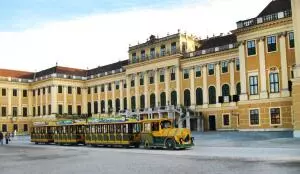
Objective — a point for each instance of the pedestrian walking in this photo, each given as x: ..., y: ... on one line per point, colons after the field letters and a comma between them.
x: 6, y: 138
x: 1, y: 138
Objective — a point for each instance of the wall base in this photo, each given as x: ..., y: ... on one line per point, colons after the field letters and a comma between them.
x: 296, y: 133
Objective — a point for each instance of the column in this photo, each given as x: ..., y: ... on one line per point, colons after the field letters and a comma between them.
x: 156, y: 83
x: 46, y: 100
x: 232, y: 84
x: 146, y: 80
x: 296, y: 80
x: 65, y: 106
x: 167, y: 86
x: 137, y: 92
x: 113, y: 98
x: 106, y: 97
x: 41, y: 101
x: 84, y: 100
x: 121, y: 95
x: 283, y: 63
x: 99, y: 99
x: 178, y: 85
x: 243, y: 79
x: 29, y: 102
x: 9, y: 96
x: 262, y: 68
x: 74, y: 106
x: 53, y: 99
x: 204, y: 88
x: 128, y: 92
x: 36, y: 102
x: 218, y: 83
x: 92, y: 100
x: 192, y: 84
x: 20, y: 102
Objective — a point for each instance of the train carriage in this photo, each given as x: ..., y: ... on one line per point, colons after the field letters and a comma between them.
x: 42, y: 133
x: 68, y: 132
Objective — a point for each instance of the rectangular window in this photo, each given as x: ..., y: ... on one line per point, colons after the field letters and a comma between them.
x: 78, y: 110
x: 163, y: 50
x: 274, y: 83
x: 24, y: 112
x: 133, y: 57
x: 162, y: 76
x: 102, y: 88
x: 4, y: 128
x: 69, y: 109
x: 25, y: 128
x: 173, y: 75
x: 211, y: 69
x: 15, y: 92
x: 39, y: 92
x: 78, y: 90
x: 132, y: 82
x: 15, y: 111
x: 89, y: 90
x: 3, y: 111
x: 253, y: 85
x: 124, y: 85
x: 49, y: 109
x: 49, y: 89
x: 3, y: 92
x: 59, y: 89
x: 251, y: 47
x: 24, y: 93
x: 117, y: 84
x: 33, y: 111
x: 44, y: 110
x: 271, y: 41
x: 152, y: 53
x: 198, y: 71
x: 109, y: 87
x: 226, y: 120
x: 15, y: 127
x: 173, y: 48
x: 69, y: 90
x: 60, y: 109
x: 95, y: 89
x: 254, y: 117
x: 151, y: 78
x: 141, y: 79
x: 291, y: 40
x: 224, y: 65
x: 143, y: 55
x: 275, y: 115
x: 237, y: 64
x: 185, y: 74
x: 39, y: 110
x: 33, y: 92
x: 44, y: 91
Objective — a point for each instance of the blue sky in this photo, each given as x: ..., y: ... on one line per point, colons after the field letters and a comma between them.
x: 16, y: 15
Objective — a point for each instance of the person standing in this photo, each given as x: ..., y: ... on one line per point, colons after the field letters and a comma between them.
x: 1, y: 138
x: 6, y: 138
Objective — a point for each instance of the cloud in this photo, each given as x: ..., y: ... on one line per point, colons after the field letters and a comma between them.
x: 101, y: 39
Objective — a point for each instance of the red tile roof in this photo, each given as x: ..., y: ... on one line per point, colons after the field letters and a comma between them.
x: 16, y: 74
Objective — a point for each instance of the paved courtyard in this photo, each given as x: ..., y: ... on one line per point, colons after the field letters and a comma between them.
x: 215, y: 152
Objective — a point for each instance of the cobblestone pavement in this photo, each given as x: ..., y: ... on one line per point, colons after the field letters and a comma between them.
x: 226, y: 154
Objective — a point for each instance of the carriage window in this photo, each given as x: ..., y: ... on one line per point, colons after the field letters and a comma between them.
x: 147, y: 127
x: 165, y: 124
x: 155, y: 126
x: 125, y: 128
x: 118, y: 128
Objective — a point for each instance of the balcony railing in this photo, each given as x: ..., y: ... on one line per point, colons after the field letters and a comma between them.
x: 210, y: 50
x: 264, y: 19
x: 147, y: 57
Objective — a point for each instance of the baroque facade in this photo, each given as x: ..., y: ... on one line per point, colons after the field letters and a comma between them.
x: 244, y: 80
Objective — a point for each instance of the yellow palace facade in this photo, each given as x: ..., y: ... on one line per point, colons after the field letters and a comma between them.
x: 246, y: 80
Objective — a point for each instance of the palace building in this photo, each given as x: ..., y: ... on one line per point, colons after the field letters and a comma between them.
x: 247, y: 80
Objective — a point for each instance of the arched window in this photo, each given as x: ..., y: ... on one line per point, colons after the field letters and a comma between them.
x: 187, y: 98
x: 174, y: 98
x: 212, y: 95
x: 110, y: 109
x: 225, y: 90
x: 142, y: 100
x: 117, y: 105
x: 163, y: 99
x: 102, y: 106
x: 125, y: 103
x: 199, y: 96
x: 133, y: 103
x: 238, y: 88
x: 152, y: 100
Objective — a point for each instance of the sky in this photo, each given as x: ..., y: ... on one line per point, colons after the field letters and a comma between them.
x: 37, y: 34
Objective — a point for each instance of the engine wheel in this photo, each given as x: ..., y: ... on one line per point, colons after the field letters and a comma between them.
x: 170, y: 144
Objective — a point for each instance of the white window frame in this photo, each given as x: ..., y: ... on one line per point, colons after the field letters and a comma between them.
x: 276, y: 42
x: 237, y: 60
x: 271, y: 117
x: 289, y: 39
x: 259, y: 123
x: 198, y: 68
x: 213, y: 65
x: 223, y: 119
x: 255, y: 44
